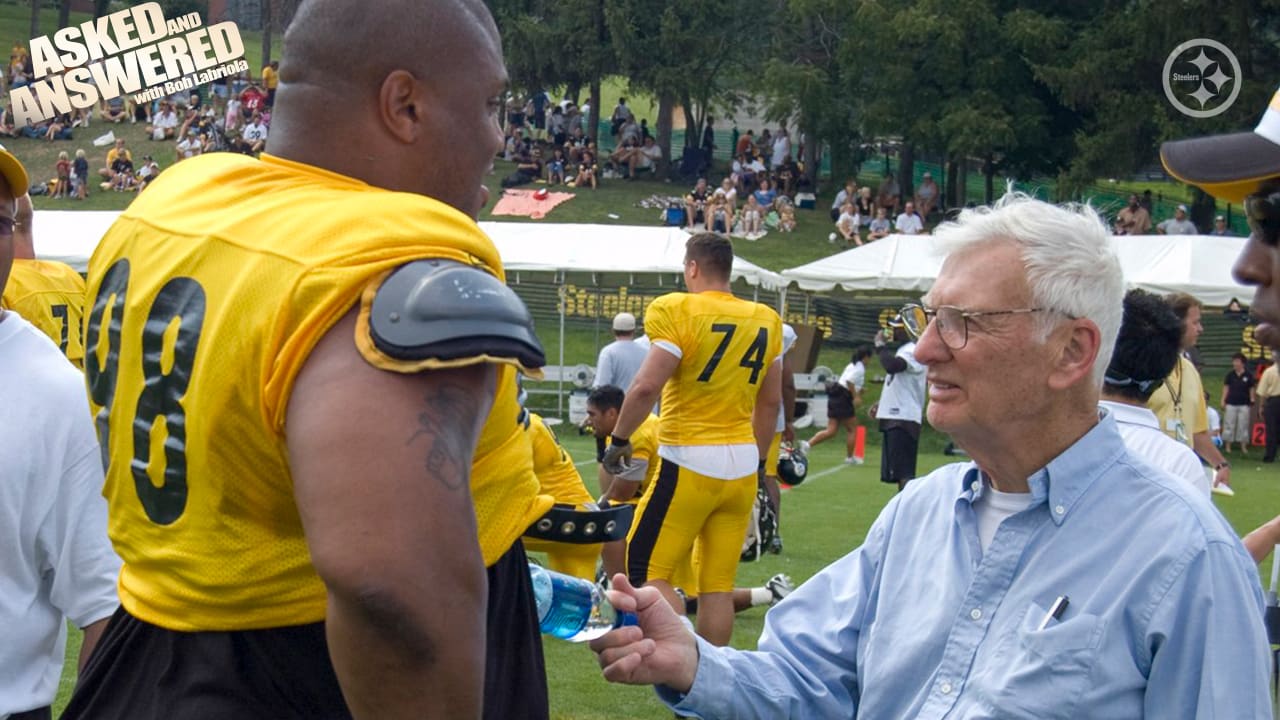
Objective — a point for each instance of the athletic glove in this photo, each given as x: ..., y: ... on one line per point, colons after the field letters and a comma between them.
x: 617, y: 457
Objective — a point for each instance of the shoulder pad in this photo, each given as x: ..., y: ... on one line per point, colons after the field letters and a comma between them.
x: 445, y: 310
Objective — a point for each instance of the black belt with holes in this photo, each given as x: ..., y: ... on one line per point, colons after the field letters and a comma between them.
x: 563, y: 523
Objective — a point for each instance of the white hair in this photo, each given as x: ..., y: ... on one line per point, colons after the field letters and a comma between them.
x: 1066, y: 249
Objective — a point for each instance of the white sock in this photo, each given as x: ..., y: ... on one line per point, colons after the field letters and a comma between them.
x: 761, y: 596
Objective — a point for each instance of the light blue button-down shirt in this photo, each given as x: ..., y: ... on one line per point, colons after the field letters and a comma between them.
x: 1164, y: 618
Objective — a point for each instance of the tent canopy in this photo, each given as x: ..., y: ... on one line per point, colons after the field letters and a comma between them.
x: 70, y: 237
x: 1195, y: 264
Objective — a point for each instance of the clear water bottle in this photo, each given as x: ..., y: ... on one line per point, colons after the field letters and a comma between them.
x: 571, y: 608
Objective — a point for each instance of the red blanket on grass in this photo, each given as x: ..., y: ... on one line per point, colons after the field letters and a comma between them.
x: 522, y: 202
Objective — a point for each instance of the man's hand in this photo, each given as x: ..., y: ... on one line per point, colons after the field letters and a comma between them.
x: 1222, y: 476
x: 871, y: 412
x: 617, y: 457
x: 658, y: 651
x: 789, y: 433
x: 879, y: 339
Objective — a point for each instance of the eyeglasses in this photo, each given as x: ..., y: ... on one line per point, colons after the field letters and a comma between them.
x: 952, y: 322
x: 1263, y: 213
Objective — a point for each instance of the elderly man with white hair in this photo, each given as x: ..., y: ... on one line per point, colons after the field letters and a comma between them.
x: 1054, y: 576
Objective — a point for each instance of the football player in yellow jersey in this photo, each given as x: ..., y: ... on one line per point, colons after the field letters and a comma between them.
x: 304, y: 372
x: 713, y: 358
x: 559, y: 478
x: 603, y: 405
x: 50, y: 295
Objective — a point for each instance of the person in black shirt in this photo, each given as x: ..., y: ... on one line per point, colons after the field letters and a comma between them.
x: 1237, y: 400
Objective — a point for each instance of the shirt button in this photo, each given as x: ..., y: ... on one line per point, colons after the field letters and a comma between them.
x: 976, y: 613
x: 1060, y: 510
x: 974, y: 487
x: 945, y: 688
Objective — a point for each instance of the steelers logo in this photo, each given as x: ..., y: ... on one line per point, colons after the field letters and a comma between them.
x: 1201, y: 78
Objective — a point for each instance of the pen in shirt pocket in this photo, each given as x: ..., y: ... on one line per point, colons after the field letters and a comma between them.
x: 1055, y: 611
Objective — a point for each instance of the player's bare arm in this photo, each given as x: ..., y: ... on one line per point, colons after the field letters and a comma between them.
x: 381, y: 465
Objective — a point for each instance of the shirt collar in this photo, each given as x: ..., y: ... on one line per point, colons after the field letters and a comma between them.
x: 1130, y: 414
x: 1068, y: 476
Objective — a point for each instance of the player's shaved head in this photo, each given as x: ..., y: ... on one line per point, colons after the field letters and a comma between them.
x: 404, y: 97
x: 351, y: 44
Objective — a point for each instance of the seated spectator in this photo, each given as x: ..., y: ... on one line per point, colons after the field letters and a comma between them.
x: 729, y: 192
x: 765, y: 195
x: 865, y: 205
x: 189, y: 146
x: 122, y: 174
x: 752, y: 218
x: 890, y: 195
x: 253, y: 139
x: 785, y: 175
x: 629, y: 133
x: 139, y: 111
x: 587, y: 170
x: 34, y: 130
x: 745, y: 144
x: 164, y: 126
x: 909, y: 222
x: 59, y: 128
x: 744, y: 175
x: 113, y: 110
x: 18, y: 74
x: 148, y: 172
x: 927, y: 196
x: 7, y: 126
x: 644, y: 157
x: 695, y: 205
x: 848, y: 224
x: 786, y: 213
x: 80, y: 116
x: 764, y: 145
x: 847, y: 194
x: 1178, y: 224
x: 719, y: 215
x: 575, y: 144
x: 555, y: 167
x: 529, y: 164
x: 880, y: 226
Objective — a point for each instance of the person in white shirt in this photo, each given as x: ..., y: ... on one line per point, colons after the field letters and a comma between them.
x: 781, y: 149
x: 189, y: 146
x: 57, y: 565
x: 1146, y: 351
x: 901, y: 405
x: 848, y: 224
x: 843, y: 398
x: 253, y: 139
x: 164, y: 124
x: 1178, y: 224
x: 909, y: 223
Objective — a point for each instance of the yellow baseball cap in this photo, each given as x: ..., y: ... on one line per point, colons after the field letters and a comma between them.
x: 1229, y: 167
x: 13, y: 171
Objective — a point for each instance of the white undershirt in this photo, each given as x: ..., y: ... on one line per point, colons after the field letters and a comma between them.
x: 992, y: 507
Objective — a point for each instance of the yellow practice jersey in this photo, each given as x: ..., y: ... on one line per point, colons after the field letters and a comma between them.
x: 50, y: 295
x: 557, y: 475
x: 204, y: 300
x: 726, y: 346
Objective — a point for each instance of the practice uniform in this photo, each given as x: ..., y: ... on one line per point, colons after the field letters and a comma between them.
x: 707, y: 483
x: 50, y: 295
x: 775, y: 447
x: 205, y: 298
x: 559, y: 479
x: 900, y: 411
x: 1179, y: 403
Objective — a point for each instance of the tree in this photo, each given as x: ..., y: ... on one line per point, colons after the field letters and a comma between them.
x: 695, y: 53
x: 64, y: 14
x: 35, y: 19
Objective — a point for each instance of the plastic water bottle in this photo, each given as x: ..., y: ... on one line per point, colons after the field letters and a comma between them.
x: 571, y: 608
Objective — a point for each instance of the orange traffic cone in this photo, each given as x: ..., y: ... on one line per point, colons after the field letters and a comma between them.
x: 860, y: 443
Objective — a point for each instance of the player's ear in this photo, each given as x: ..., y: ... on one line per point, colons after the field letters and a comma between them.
x: 402, y: 105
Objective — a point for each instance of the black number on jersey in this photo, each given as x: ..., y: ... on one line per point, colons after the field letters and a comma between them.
x: 181, y: 299
x: 752, y: 359
x: 60, y: 312
x: 727, y: 330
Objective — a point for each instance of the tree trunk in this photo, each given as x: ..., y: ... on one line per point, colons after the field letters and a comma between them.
x: 100, y: 7
x: 907, y: 171
x: 267, y: 28
x: 810, y: 159
x: 962, y: 182
x: 666, y: 110
x: 594, y: 120
x: 989, y: 180
x: 35, y: 19
x: 64, y: 14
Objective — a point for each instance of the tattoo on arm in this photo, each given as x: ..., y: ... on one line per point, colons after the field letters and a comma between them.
x: 447, y: 418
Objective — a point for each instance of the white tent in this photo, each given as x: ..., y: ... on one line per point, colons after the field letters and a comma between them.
x: 1195, y: 264
x: 70, y: 236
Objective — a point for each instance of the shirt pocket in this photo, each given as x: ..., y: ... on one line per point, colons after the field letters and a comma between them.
x: 1045, y: 672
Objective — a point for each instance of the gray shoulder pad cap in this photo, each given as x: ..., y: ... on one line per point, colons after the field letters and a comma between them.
x: 447, y: 311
